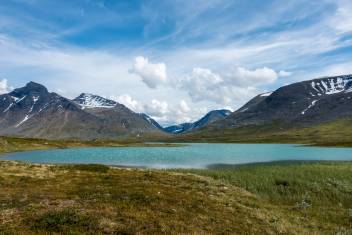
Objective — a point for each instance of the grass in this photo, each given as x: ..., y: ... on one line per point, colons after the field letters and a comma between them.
x: 64, y: 221
x: 42, y: 199
x: 336, y: 133
x: 318, y: 191
x: 13, y: 144
x: 306, y: 198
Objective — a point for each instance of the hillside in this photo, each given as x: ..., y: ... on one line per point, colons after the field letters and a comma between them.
x: 301, y: 104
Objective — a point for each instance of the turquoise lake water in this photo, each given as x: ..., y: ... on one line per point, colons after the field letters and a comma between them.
x: 189, y: 156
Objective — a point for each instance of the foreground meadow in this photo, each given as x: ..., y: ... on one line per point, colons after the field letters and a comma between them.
x: 93, y: 199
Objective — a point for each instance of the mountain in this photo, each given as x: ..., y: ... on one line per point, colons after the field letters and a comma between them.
x: 210, y: 117
x: 178, y: 129
x: 317, y: 111
x: 32, y: 111
x: 300, y: 104
x: 310, y: 111
x: 151, y: 121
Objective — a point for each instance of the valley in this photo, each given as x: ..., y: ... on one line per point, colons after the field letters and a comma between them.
x: 284, y: 197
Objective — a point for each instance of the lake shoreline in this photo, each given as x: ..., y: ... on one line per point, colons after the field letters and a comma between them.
x: 190, y: 156
x: 17, y: 144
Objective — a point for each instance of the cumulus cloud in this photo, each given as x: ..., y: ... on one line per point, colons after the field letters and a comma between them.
x: 203, y: 84
x: 156, y: 108
x: 167, y: 114
x: 152, y: 74
x: 238, y: 85
x: 244, y: 77
x: 4, y: 87
x: 284, y: 73
x: 129, y: 102
x: 161, y: 111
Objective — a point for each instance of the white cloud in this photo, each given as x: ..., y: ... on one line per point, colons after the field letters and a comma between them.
x: 156, y: 108
x: 236, y: 86
x: 129, y: 102
x: 184, y: 106
x: 244, y: 77
x: 203, y: 84
x: 342, y: 20
x: 284, y: 73
x: 84, y: 70
x: 4, y: 87
x: 152, y: 74
x: 161, y: 111
x: 334, y: 70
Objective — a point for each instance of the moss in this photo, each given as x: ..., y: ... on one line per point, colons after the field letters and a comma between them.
x: 289, y: 198
x: 88, y: 167
x: 66, y: 221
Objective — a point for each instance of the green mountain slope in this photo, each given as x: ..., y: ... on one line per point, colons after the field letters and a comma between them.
x: 334, y: 133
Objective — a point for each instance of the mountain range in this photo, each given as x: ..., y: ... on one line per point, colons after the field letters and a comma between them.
x: 33, y: 111
x: 210, y: 117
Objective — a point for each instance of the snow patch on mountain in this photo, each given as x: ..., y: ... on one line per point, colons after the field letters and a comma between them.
x: 35, y: 99
x: 332, y: 85
x: 8, y: 108
x: 28, y: 115
x: 310, y: 106
x: 266, y: 94
x: 19, y: 100
x: 87, y: 100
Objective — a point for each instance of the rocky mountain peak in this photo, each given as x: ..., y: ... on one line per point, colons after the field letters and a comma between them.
x: 87, y: 100
x: 36, y: 87
x: 207, y: 119
x: 31, y: 89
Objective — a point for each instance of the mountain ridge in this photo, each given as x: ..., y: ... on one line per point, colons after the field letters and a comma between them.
x: 32, y: 111
x: 303, y: 110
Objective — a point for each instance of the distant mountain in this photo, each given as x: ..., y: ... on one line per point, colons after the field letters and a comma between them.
x: 32, y: 111
x: 210, y: 117
x: 300, y: 104
x: 178, y: 129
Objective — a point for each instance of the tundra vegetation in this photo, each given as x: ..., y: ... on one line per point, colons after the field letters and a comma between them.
x: 94, y: 199
x: 273, y: 198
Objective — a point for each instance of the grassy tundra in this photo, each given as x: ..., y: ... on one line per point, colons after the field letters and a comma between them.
x: 312, y: 198
x: 336, y: 133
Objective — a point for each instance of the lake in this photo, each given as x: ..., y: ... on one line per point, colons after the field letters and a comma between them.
x: 200, y: 155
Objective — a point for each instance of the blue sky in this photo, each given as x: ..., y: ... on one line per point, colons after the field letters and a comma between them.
x: 174, y: 60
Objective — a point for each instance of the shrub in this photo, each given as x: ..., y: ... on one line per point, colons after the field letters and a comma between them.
x: 66, y: 221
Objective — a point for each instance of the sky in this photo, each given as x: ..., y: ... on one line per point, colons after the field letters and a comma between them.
x: 174, y: 60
